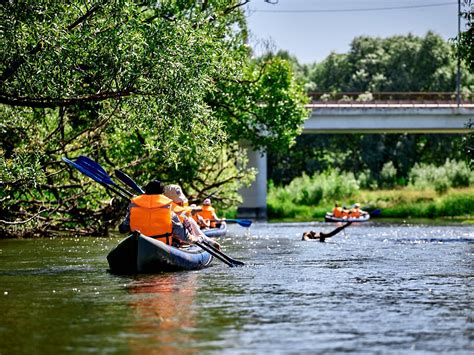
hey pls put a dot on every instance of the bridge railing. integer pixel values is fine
(390, 97)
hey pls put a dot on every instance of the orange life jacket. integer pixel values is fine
(179, 211)
(337, 212)
(355, 213)
(207, 214)
(151, 215)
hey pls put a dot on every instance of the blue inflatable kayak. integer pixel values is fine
(218, 232)
(140, 254)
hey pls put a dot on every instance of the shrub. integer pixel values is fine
(310, 191)
(451, 174)
(388, 175)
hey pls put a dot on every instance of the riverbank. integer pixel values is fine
(454, 204)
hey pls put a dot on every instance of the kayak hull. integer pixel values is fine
(330, 218)
(218, 232)
(140, 254)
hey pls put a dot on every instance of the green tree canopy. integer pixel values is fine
(163, 89)
(394, 64)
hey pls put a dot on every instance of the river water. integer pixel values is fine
(375, 289)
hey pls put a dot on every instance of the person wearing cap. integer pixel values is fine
(175, 193)
(152, 215)
(184, 212)
(208, 213)
(355, 211)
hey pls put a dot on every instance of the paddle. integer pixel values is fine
(376, 212)
(127, 180)
(242, 222)
(90, 164)
(96, 177)
(223, 257)
(98, 174)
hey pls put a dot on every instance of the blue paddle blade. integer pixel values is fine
(242, 222)
(95, 167)
(127, 180)
(376, 212)
(85, 171)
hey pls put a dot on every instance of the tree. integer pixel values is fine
(464, 42)
(393, 64)
(158, 88)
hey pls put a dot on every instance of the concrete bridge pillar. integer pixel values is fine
(254, 204)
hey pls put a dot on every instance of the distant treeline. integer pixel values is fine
(364, 153)
(395, 64)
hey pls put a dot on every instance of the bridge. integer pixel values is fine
(376, 116)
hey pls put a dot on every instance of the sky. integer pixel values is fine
(312, 29)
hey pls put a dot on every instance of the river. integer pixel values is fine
(372, 289)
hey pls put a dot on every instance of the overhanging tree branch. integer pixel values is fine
(50, 102)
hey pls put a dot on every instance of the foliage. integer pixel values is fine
(362, 154)
(451, 174)
(388, 175)
(399, 203)
(270, 112)
(310, 191)
(393, 64)
(159, 89)
(433, 191)
(464, 42)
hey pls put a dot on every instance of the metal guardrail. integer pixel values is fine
(362, 98)
(385, 104)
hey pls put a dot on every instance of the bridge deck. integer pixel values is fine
(393, 117)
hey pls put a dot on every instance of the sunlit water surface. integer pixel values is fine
(374, 289)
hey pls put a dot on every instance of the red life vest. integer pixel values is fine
(151, 216)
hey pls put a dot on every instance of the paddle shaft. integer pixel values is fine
(204, 246)
(127, 180)
(242, 222)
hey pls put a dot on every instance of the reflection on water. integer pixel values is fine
(162, 312)
(373, 289)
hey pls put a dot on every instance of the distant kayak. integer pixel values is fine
(217, 232)
(140, 254)
(330, 218)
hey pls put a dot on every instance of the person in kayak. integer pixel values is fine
(356, 212)
(323, 236)
(175, 193)
(339, 212)
(155, 215)
(202, 223)
(208, 213)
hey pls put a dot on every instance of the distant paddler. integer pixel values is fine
(208, 213)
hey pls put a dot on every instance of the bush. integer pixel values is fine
(310, 191)
(388, 175)
(451, 174)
